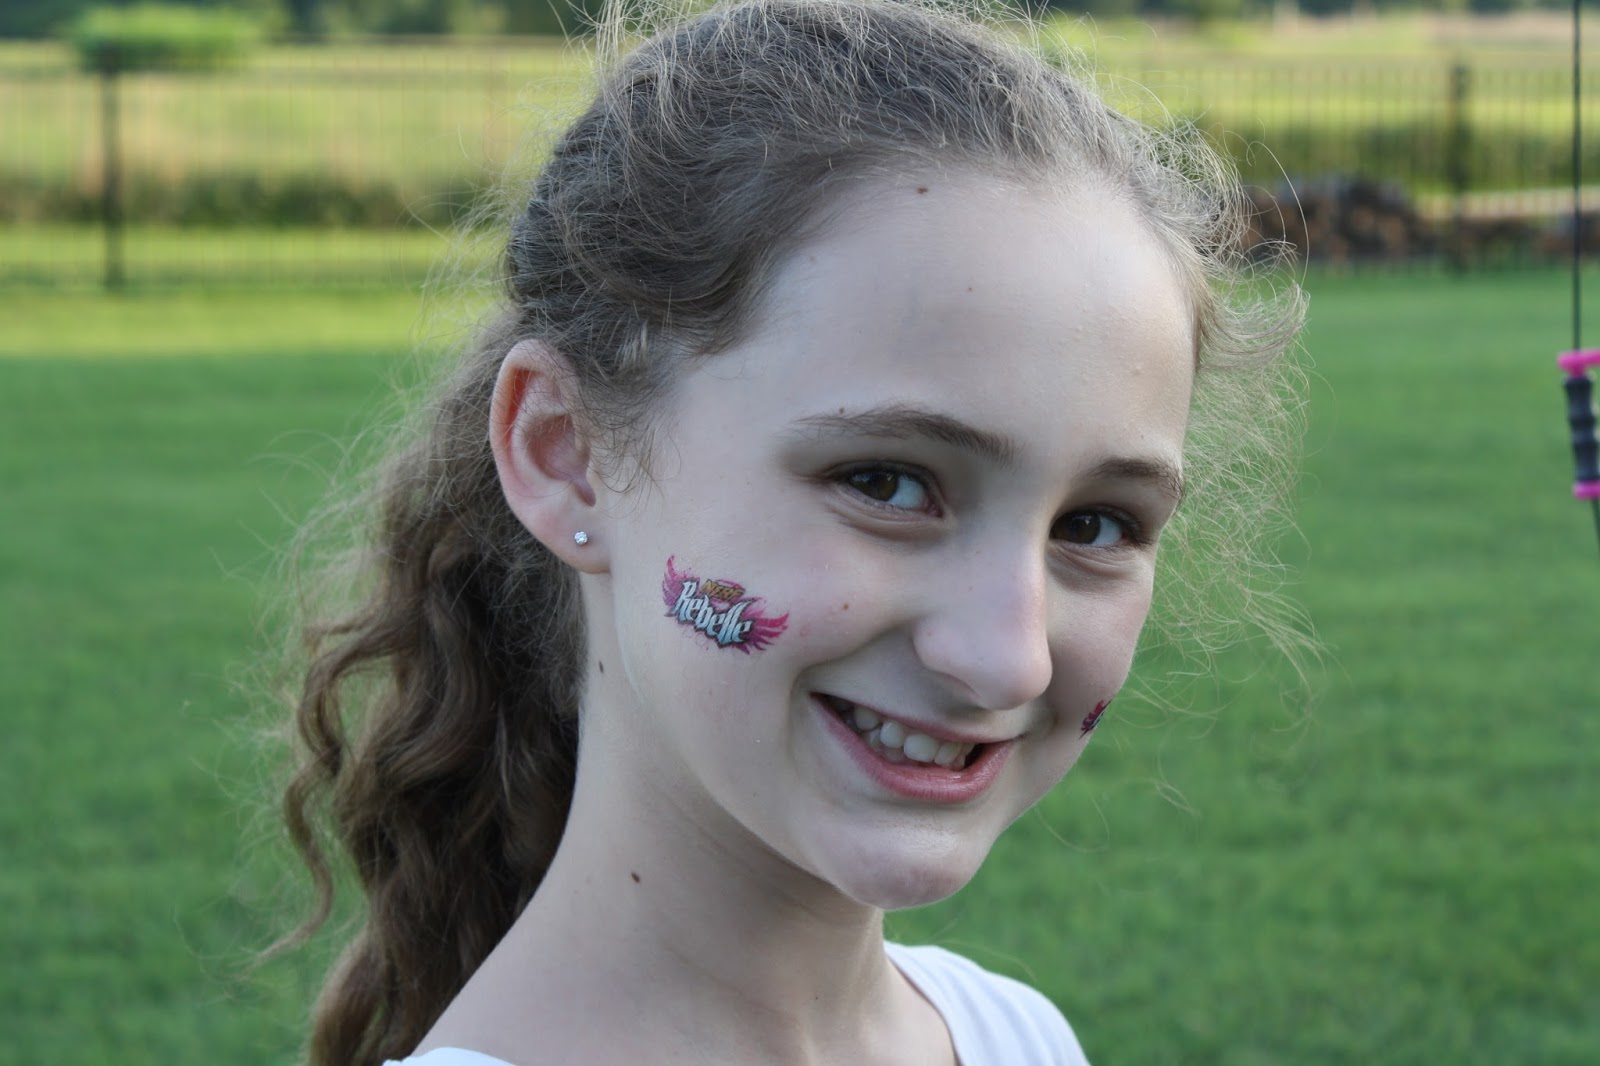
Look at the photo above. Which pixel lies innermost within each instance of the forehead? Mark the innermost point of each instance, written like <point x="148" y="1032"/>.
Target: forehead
<point x="1022" y="308"/>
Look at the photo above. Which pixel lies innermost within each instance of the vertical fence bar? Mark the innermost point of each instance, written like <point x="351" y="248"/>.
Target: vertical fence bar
<point x="111" y="170"/>
<point x="1577" y="182"/>
<point x="1457" y="143"/>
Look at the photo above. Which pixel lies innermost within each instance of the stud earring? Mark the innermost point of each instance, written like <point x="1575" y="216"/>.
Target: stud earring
<point x="580" y="538"/>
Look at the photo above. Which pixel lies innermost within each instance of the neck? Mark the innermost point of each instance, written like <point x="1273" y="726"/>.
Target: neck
<point x="683" y="936"/>
<point x="689" y="898"/>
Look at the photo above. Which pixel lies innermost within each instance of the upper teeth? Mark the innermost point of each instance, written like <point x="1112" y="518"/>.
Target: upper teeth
<point x="898" y="743"/>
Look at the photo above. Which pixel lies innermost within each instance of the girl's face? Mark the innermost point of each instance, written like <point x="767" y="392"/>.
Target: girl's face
<point x="898" y="544"/>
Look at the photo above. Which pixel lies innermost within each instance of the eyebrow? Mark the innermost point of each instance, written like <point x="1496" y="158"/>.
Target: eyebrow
<point x="1160" y="473"/>
<point x="898" y="421"/>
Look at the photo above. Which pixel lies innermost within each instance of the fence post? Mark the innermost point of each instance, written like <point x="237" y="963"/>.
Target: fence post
<point x="1458" y="137"/>
<point x="111" y="168"/>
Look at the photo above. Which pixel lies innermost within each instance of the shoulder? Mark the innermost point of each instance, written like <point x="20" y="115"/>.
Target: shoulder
<point x="449" y="1056"/>
<point x="992" y="1019"/>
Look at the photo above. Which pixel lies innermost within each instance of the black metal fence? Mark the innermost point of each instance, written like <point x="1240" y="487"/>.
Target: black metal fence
<point x="354" y="163"/>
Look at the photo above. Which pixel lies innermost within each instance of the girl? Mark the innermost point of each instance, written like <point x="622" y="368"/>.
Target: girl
<point x="782" y="543"/>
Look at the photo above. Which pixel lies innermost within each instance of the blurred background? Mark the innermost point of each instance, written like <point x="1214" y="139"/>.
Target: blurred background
<point x="333" y="140"/>
<point x="221" y="229"/>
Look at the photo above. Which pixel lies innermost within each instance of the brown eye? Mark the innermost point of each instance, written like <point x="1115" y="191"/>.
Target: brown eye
<point x="880" y="485"/>
<point x="890" y="487"/>
<point x="1091" y="529"/>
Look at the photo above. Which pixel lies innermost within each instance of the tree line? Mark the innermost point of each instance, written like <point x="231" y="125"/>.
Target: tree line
<point x="317" y="18"/>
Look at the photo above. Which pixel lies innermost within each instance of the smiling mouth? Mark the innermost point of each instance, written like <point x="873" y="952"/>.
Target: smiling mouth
<point x="898" y="745"/>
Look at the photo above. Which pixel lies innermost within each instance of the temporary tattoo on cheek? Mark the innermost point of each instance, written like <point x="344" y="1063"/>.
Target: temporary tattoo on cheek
<point x="719" y="610"/>
<point x="1092" y="719"/>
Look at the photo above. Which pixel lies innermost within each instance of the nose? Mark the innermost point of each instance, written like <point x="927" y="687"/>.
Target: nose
<point x="986" y="633"/>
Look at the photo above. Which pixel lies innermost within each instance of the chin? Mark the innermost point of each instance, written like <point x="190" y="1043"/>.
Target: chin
<point x="892" y="881"/>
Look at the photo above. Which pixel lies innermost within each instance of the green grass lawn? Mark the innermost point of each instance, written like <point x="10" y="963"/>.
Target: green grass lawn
<point x="1403" y="874"/>
<point x="67" y="255"/>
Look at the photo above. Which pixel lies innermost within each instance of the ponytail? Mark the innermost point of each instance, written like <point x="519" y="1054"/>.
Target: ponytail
<point x="451" y="794"/>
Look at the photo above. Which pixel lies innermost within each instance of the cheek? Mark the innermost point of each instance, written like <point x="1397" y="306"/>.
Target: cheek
<point x="835" y="600"/>
<point x="1096" y="638"/>
<point x="828" y="626"/>
<point x="1092" y="659"/>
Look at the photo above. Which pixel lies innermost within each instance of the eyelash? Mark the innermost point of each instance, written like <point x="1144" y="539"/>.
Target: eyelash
<point x="1132" y="529"/>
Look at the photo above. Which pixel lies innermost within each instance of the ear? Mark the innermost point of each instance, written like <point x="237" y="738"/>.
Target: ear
<point x="543" y="457"/>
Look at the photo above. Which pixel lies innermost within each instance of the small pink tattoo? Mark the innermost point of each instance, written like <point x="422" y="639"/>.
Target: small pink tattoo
<point x="719" y="610"/>
<point x="1092" y="719"/>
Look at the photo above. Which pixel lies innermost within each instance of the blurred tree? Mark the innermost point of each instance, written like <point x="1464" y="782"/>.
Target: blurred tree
<point x="147" y="36"/>
<point x="572" y="17"/>
<point x="42" y="18"/>
<point x="402" y="16"/>
<point x="39" y="18"/>
<point x="50" y="18"/>
<point x="1207" y="11"/>
<point x="308" y="18"/>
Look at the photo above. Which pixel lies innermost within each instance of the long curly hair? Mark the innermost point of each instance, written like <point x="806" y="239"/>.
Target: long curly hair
<point x="437" y="725"/>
